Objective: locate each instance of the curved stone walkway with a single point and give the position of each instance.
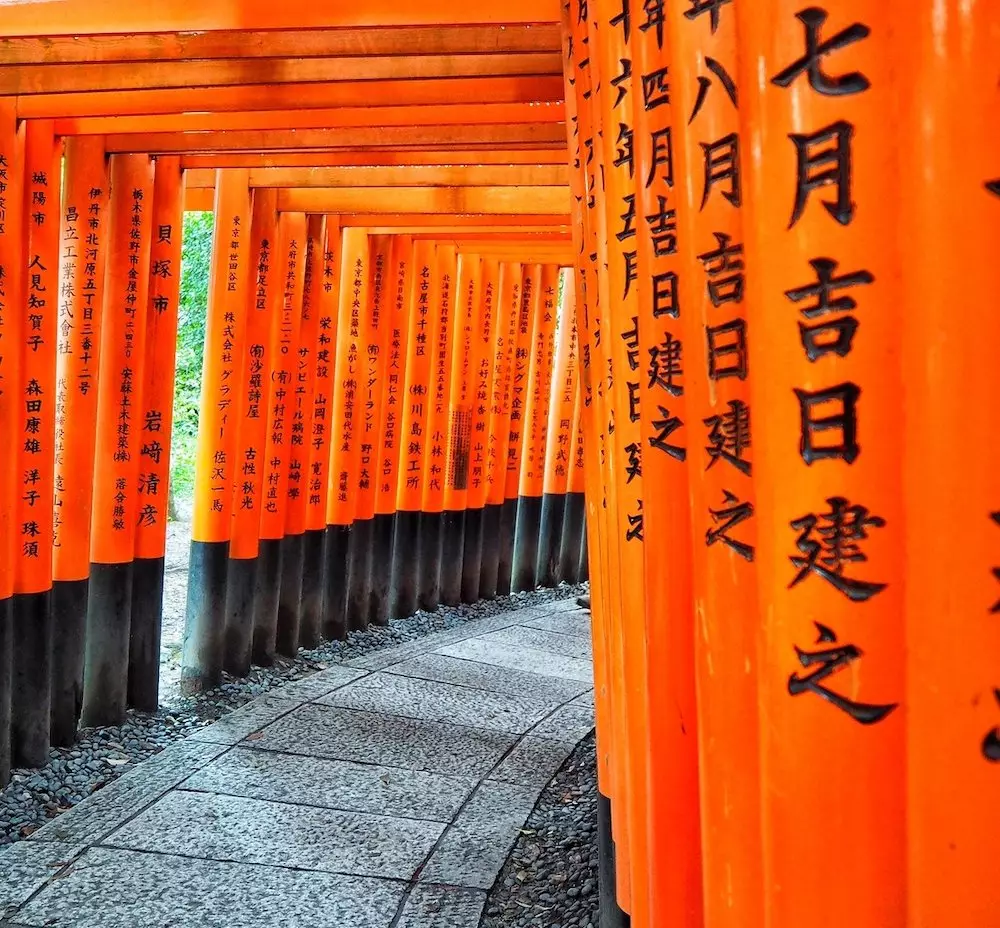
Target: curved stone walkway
(386, 791)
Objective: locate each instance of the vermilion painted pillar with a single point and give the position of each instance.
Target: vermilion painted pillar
(574, 519)
(508, 311)
(215, 465)
(398, 310)
(947, 148)
(83, 239)
(11, 410)
(408, 539)
(435, 457)
(153, 481)
(820, 187)
(252, 410)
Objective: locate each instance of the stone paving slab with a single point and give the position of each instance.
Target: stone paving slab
(489, 677)
(114, 805)
(443, 907)
(319, 684)
(517, 657)
(567, 623)
(368, 737)
(441, 702)
(524, 637)
(570, 723)
(27, 866)
(533, 761)
(474, 849)
(247, 720)
(110, 888)
(334, 784)
(253, 831)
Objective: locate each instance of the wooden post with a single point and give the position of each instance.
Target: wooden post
(390, 436)
(354, 276)
(508, 313)
(465, 323)
(83, 238)
(408, 538)
(12, 273)
(371, 373)
(575, 516)
(215, 466)
(445, 299)
(153, 481)
(559, 438)
(821, 191)
(531, 275)
(285, 326)
(295, 455)
(250, 463)
(947, 75)
(121, 432)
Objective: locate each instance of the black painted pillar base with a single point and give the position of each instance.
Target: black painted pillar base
(572, 534)
(452, 551)
(610, 914)
(312, 588)
(241, 582)
(382, 532)
(105, 669)
(404, 584)
(6, 672)
(289, 597)
(529, 518)
(205, 622)
(267, 588)
(505, 561)
(336, 580)
(490, 551)
(550, 529)
(69, 615)
(32, 670)
(359, 589)
(145, 623)
(430, 545)
(584, 571)
(472, 556)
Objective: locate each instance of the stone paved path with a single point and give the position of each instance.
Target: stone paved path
(386, 791)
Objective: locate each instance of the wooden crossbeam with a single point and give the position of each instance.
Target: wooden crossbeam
(345, 117)
(300, 96)
(64, 78)
(375, 158)
(101, 17)
(423, 137)
(297, 43)
(411, 176)
(437, 200)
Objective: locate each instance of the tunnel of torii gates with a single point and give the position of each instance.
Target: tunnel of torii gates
(475, 264)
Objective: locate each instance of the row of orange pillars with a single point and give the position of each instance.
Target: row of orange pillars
(387, 423)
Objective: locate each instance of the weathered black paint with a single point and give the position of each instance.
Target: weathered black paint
(267, 588)
(286, 640)
(404, 584)
(430, 547)
(205, 622)
(145, 623)
(472, 556)
(452, 550)
(241, 583)
(529, 517)
(105, 668)
(6, 672)
(313, 565)
(584, 572)
(550, 530)
(335, 581)
(490, 556)
(610, 913)
(505, 562)
(572, 535)
(382, 533)
(359, 590)
(32, 670)
(69, 615)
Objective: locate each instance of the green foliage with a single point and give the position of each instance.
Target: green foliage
(196, 259)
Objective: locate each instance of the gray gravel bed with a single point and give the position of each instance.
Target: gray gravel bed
(550, 878)
(33, 797)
